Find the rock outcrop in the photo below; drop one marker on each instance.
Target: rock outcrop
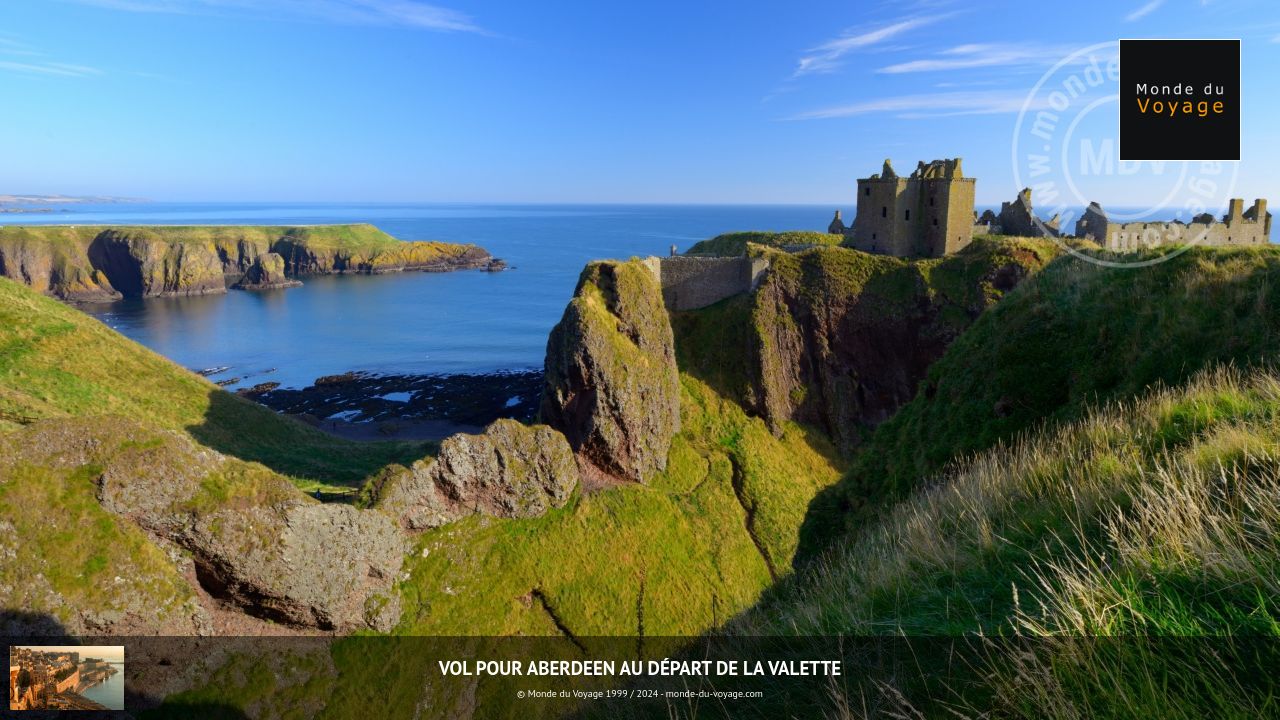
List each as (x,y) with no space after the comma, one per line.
(612,386)
(89,264)
(266,273)
(254,540)
(511,471)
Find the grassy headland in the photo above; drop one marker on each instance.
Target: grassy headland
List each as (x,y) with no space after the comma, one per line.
(94,263)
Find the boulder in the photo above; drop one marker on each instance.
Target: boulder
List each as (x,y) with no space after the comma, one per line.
(612,386)
(511,470)
(302,563)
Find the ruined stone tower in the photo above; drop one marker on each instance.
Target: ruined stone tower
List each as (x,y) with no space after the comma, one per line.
(928,214)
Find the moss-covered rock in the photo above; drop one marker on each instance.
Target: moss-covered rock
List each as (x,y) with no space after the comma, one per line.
(612,386)
(511,470)
(250,536)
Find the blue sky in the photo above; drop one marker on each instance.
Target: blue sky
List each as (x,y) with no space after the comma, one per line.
(564,101)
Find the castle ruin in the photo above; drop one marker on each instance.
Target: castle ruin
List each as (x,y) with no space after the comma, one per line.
(1018,219)
(931,214)
(928,214)
(1237,227)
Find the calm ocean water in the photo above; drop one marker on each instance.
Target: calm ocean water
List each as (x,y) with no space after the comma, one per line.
(109,694)
(467,321)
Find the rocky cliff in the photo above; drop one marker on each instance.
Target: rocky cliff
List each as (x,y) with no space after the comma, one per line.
(85,263)
(840,339)
(612,386)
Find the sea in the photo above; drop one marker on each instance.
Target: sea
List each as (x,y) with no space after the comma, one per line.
(109,694)
(405,323)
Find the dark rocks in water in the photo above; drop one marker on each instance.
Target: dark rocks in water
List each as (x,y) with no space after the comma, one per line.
(340,379)
(227,381)
(206,372)
(259,388)
(266,273)
(612,386)
(511,470)
(495,265)
(471,400)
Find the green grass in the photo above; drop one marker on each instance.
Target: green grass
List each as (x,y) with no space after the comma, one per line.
(674,556)
(58,362)
(735,243)
(59,543)
(1154,517)
(1073,336)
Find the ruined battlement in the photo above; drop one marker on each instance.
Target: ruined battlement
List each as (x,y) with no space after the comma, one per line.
(692,282)
(1237,227)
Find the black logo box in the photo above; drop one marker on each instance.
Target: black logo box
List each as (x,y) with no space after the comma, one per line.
(1180,64)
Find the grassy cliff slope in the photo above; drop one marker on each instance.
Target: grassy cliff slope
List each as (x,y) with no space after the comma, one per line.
(735,243)
(1096,456)
(57,362)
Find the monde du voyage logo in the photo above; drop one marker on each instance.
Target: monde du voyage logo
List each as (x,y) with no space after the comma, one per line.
(1179,99)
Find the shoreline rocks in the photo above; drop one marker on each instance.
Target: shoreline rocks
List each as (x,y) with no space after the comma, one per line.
(266,273)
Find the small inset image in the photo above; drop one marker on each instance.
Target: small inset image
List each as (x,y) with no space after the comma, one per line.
(66,677)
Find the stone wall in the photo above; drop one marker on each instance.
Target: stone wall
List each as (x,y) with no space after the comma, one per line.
(1237,227)
(689,283)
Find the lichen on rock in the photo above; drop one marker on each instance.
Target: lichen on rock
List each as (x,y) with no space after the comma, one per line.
(511,470)
(612,386)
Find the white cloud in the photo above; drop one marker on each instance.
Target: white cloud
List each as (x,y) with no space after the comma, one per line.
(826,57)
(979,55)
(928,105)
(400,13)
(49,68)
(1145,10)
(34,62)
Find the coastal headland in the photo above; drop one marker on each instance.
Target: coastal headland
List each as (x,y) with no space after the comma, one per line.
(90,263)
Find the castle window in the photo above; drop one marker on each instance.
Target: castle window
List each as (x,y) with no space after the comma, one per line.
(884,211)
(867,191)
(907,216)
(931,204)
(873,237)
(935,222)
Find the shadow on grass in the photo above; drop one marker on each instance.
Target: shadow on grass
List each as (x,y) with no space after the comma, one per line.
(243,429)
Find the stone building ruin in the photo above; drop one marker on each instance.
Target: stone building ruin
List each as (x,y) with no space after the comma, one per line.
(928,214)
(931,214)
(1017,218)
(1237,227)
